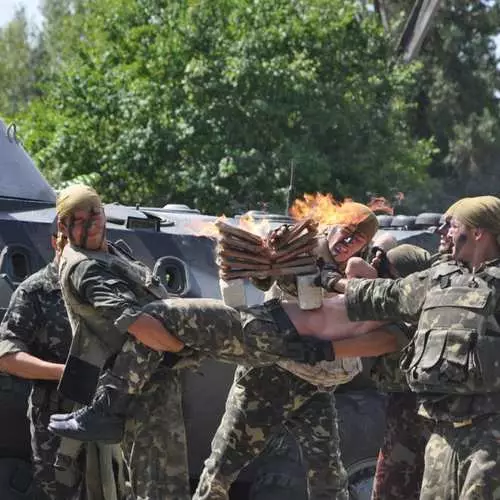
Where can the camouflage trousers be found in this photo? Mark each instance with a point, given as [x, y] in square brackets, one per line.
[259, 402]
[463, 463]
[400, 464]
[279, 470]
[155, 442]
[212, 329]
[255, 336]
[50, 483]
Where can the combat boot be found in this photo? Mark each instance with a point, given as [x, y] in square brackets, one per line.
[102, 421]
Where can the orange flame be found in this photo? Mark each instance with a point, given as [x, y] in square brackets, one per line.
[325, 210]
[246, 222]
[260, 227]
[322, 208]
[207, 229]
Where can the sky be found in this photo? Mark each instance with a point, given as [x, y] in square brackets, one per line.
[8, 7]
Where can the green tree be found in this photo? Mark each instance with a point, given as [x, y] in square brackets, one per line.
[17, 74]
[458, 102]
[209, 103]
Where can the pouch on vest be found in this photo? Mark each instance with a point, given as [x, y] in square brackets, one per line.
[79, 380]
[442, 355]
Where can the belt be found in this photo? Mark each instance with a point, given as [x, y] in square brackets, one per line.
[462, 423]
[469, 421]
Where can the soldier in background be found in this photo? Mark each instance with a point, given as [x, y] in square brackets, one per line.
[35, 336]
[452, 361]
[400, 464]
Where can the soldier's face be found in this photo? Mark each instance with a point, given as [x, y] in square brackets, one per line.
[343, 243]
[445, 242]
[86, 228]
[462, 240]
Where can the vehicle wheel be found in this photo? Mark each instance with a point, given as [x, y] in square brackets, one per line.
[361, 477]
[16, 479]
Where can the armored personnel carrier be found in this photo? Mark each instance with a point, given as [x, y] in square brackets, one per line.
[167, 239]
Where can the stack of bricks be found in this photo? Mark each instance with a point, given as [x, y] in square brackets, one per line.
[243, 254]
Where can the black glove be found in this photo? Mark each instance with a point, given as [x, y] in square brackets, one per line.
[383, 265]
[328, 275]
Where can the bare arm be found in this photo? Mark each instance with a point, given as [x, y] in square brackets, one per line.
[329, 322]
[25, 365]
[152, 333]
[375, 343]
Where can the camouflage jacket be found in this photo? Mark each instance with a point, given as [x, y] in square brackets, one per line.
[36, 322]
[442, 361]
[386, 372]
[104, 294]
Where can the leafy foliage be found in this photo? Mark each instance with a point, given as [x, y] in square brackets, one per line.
[17, 75]
[209, 103]
[458, 101]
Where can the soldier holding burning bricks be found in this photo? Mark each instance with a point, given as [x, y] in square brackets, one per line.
[295, 395]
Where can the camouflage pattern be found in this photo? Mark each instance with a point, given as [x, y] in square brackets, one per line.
[451, 363]
[455, 347]
[313, 422]
[251, 416]
[154, 444]
[155, 441]
[108, 282]
[134, 365]
[463, 462]
[326, 375]
[441, 367]
[385, 371]
[249, 335]
[400, 464]
[36, 323]
[280, 470]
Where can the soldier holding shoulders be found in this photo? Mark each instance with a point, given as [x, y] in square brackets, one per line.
[451, 362]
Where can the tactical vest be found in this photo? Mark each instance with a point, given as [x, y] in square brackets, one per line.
[456, 349]
[95, 338]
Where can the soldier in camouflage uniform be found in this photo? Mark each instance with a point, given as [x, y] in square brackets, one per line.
[452, 360]
[157, 461]
[400, 463]
[35, 336]
[292, 395]
[258, 335]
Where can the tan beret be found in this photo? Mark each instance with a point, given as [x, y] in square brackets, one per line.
[76, 197]
[359, 217]
[479, 211]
